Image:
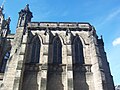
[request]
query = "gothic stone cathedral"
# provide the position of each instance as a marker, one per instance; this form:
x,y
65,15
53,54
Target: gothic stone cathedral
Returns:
x,y
52,56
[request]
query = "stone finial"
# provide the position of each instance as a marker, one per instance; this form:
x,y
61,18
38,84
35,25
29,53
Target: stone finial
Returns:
x,y
26,14
1,9
102,40
27,8
101,37
8,20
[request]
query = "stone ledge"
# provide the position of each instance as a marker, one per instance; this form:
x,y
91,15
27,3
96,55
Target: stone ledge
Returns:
x,y
60,25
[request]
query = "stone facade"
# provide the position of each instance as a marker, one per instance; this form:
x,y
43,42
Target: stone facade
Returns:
x,y
53,56
117,87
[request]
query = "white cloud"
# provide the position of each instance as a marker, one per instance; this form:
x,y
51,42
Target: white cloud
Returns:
x,y
116,42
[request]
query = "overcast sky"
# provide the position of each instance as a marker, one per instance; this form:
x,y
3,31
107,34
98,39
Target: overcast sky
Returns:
x,y
104,15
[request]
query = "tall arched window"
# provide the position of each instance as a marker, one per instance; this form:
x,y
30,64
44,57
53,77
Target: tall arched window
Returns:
x,y
57,51
30,76
78,51
35,56
79,76
54,74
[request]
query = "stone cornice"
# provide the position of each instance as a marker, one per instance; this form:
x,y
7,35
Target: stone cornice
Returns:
x,y
62,26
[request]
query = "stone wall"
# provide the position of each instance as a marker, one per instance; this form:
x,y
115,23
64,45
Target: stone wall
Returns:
x,y
45,75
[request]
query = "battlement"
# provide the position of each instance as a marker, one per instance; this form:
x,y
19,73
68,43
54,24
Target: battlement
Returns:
x,y
60,25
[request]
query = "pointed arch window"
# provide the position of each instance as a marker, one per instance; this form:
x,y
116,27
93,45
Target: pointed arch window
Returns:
x,y
35,56
57,51
78,51
4,61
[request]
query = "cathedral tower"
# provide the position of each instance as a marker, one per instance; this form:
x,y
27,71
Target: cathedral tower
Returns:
x,y
56,56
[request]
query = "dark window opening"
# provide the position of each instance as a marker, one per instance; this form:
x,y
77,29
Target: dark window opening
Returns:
x,y
35,51
78,51
4,61
57,51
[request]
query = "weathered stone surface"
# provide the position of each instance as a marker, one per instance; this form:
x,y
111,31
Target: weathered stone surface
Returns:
x,y
55,56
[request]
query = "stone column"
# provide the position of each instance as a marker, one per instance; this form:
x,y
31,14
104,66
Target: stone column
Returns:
x,y
64,67
69,73
69,62
20,66
95,65
43,73
44,63
13,70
